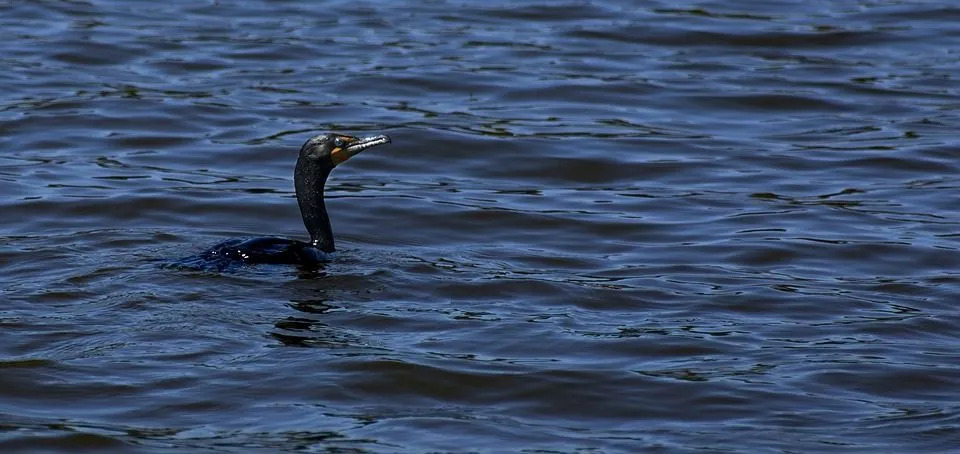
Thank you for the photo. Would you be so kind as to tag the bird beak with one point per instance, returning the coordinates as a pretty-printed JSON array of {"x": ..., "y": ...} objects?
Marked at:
[{"x": 356, "y": 145}]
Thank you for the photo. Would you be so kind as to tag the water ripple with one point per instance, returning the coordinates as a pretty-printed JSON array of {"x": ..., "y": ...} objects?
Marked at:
[{"x": 673, "y": 226}]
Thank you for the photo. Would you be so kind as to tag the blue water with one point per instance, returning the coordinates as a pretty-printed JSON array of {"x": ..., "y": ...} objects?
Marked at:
[{"x": 601, "y": 227}]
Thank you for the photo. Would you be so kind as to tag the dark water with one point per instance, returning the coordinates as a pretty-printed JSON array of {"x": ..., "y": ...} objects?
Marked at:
[{"x": 602, "y": 226}]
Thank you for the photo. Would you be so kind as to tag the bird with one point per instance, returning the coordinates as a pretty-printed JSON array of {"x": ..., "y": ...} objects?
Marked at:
[{"x": 318, "y": 157}]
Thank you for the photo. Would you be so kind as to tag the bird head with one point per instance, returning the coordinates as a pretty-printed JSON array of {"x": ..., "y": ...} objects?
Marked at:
[{"x": 333, "y": 149}]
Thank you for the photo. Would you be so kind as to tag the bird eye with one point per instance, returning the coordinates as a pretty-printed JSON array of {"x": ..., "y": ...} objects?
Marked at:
[{"x": 338, "y": 142}]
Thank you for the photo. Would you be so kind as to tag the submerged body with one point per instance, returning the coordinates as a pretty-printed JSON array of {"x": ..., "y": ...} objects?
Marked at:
[
  {"x": 318, "y": 157},
  {"x": 279, "y": 251}
]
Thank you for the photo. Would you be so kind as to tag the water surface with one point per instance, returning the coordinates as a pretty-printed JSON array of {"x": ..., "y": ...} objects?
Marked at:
[{"x": 601, "y": 226}]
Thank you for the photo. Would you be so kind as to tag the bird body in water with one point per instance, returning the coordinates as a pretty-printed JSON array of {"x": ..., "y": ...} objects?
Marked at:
[{"x": 318, "y": 157}]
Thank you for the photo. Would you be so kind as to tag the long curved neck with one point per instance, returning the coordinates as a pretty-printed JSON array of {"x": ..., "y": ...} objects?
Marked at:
[{"x": 308, "y": 179}]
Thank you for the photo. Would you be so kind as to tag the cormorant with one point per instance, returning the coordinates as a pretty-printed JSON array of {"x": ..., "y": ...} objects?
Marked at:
[{"x": 318, "y": 157}]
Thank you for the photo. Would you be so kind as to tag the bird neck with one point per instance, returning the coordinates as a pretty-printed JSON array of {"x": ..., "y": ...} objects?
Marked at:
[{"x": 309, "y": 177}]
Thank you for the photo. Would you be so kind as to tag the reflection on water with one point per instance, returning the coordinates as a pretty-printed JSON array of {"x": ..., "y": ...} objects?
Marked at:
[
  {"x": 608, "y": 227},
  {"x": 309, "y": 330}
]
